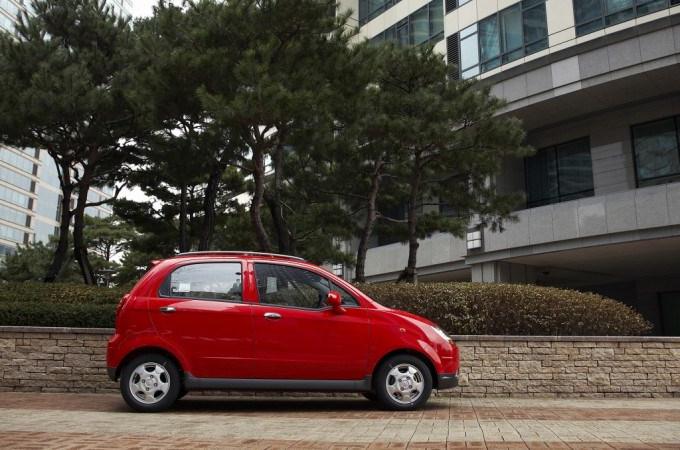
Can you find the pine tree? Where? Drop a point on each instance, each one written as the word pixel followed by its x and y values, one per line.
pixel 62 89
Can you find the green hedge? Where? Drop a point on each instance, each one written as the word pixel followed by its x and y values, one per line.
pixel 58 314
pixel 59 293
pixel 459 308
pixel 511 309
pixel 58 304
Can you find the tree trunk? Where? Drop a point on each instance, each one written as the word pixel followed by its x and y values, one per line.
pixel 79 246
pixel 209 201
pixel 369 224
pixel 275 205
pixel 61 252
pixel 183 241
pixel 256 203
pixel 410 273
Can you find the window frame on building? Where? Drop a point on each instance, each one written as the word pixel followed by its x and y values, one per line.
pixel 474 32
pixel 602 17
pixel 658 179
pixel 403 32
pixel 559 195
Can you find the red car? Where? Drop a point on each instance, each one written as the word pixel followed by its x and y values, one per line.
pixel 252 321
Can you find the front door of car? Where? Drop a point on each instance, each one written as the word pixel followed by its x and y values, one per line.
pixel 299 337
pixel 200 312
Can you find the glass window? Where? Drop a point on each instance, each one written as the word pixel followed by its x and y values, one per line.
pixel 575 173
pixel 657 151
pixel 12 234
pixel 510 34
pixel 16 179
pixel 436 19
pixel 14 216
pixel 511 29
pixel 489 43
pixel 592 15
pixel 290 286
pixel 16 160
pixel 12 196
pixel 211 281
pixel 420 26
pixel 370 9
pixel 469 52
pixel 424 26
pixel 560 173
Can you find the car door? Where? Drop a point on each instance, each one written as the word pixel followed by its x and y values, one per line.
pixel 199 311
pixel 297 336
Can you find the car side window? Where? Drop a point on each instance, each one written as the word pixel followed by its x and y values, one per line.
pixel 210 281
pixel 290 286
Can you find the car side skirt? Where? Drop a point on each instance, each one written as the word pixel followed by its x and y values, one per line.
pixel 194 383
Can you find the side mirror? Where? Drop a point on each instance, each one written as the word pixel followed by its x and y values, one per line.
pixel 334 300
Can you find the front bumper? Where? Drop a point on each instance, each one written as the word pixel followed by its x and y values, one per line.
pixel 447 381
pixel 111 371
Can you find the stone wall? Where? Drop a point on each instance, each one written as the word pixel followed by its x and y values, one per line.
pixel 74 360
pixel 500 366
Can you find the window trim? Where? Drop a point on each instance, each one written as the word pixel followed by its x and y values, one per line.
pixel 559 199
pixel 602 18
pixel 676 122
pixel 502 53
pixel 322 275
pixel 159 294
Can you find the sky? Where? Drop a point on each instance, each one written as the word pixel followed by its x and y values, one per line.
pixel 142 8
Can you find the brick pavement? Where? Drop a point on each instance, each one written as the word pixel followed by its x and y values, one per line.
pixel 34 420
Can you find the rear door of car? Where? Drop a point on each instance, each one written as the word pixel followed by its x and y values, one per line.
pixel 199 310
pixel 299 337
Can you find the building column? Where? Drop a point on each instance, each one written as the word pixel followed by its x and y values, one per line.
pixel 503 272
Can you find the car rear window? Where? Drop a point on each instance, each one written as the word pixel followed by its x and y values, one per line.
pixel 211 281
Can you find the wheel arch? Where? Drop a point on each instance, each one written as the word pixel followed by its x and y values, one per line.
pixel 149 349
pixel 408 351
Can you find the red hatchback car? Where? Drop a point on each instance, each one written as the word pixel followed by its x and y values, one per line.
pixel 251 321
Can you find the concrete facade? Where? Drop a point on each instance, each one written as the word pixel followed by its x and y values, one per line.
pixel 622 237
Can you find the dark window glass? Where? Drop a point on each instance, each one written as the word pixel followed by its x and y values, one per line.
pixel 436 19
pixel 420 26
pixel 512 33
pixel 211 281
pixel 541 178
pixel 657 151
pixel 423 26
pixel 370 9
pixel 592 15
pixel 489 43
pixel 559 173
pixel 574 167
pixel 290 286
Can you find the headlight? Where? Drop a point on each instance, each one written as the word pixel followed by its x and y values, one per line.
pixel 441 333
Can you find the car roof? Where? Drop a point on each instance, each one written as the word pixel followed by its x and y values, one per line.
pixel 238 254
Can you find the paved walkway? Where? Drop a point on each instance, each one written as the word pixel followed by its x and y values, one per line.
pixel 103 421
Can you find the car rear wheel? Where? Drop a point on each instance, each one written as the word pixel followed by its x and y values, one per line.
pixel 150 383
pixel 403 383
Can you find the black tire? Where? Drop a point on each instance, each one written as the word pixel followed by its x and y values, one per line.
pixel 169 374
pixel 370 396
pixel 422 377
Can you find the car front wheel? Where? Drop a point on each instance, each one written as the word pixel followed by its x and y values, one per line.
pixel 150 383
pixel 403 383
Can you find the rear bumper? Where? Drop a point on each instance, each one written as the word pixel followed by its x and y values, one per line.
pixel 111 371
pixel 447 381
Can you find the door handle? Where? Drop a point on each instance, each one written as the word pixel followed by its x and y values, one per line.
pixel 272 316
pixel 167 309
